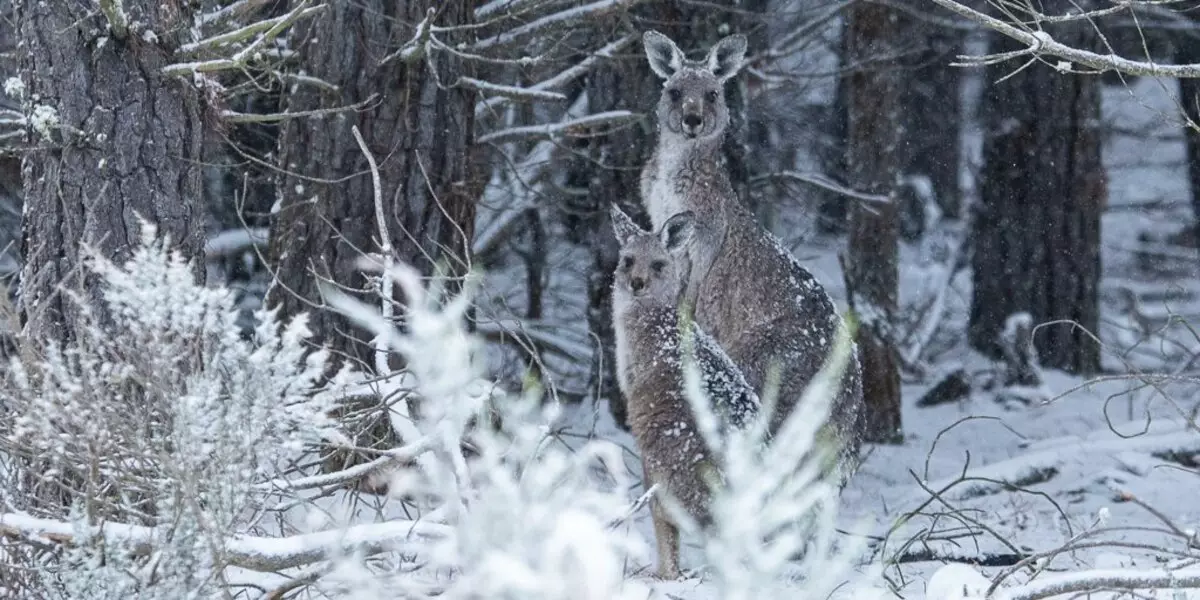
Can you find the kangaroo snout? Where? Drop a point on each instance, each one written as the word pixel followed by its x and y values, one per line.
pixel 692 121
pixel 637 284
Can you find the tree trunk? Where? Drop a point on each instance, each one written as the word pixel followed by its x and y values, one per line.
pixel 1188 52
pixel 128 144
pixel 1037 228
pixel 420 131
pixel 873 133
pixel 613 164
pixel 932 115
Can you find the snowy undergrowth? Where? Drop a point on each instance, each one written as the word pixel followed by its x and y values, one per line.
pixel 160 455
pixel 158 414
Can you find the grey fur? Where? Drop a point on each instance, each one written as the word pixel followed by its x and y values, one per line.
pixel 755 299
pixel 647 286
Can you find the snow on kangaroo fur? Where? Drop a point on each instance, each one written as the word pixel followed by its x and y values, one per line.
pixel 650 342
pixel 522 516
pixel 747 291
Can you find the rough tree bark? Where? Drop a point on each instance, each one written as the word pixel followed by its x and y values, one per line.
pixel 1037 228
pixel 613 164
pixel 931 121
pixel 420 131
pixel 873 133
pixel 128 144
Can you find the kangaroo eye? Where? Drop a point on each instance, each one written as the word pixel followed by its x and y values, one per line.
pixel 658 266
pixel 627 263
pixel 711 96
pixel 674 94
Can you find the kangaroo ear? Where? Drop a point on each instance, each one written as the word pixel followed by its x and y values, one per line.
pixel 725 58
pixel 664 56
pixel 623 225
pixel 678 231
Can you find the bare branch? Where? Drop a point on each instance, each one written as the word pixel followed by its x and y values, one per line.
pixel 230 116
pixel 824 182
pixel 1040 42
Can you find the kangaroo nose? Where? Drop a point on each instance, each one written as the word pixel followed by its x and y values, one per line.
pixel 692 120
pixel 637 283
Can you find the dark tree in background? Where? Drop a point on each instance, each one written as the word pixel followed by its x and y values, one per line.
pixel 932 117
pixel 873 133
pixel 611 166
pixel 128 143
pixel 1036 236
pixel 930 123
pixel 1187 51
pixel 420 132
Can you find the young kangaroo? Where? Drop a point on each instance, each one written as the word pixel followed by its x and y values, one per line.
pixel 646 290
pixel 755 299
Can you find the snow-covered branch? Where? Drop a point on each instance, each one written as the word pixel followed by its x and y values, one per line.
pixel 266 554
pixel 1041 43
pixel 268 31
pixel 244 33
pixel 234 241
pixel 564 77
pixel 551 23
pixel 511 92
pixel 1101 580
pixel 568 128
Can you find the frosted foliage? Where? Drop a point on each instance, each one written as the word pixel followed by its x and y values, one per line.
pixel 172 407
pixel 530 517
pixel 784 482
pixel 540 530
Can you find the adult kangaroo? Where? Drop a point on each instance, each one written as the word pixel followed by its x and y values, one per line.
pixel 755 299
pixel 646 291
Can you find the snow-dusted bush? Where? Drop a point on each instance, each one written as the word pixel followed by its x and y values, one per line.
pixel 158 414
pixel 527 516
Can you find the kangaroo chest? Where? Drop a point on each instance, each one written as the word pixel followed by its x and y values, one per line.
pixel 665 196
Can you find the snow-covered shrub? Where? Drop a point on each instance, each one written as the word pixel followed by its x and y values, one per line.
pixel 171 432
pixel 158 414
pixel 528 516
